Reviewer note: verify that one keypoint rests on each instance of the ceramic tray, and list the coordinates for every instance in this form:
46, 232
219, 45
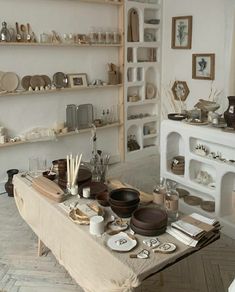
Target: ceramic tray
121, 242
79, 217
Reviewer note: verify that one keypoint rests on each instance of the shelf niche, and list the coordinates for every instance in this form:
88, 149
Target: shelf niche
135, 74
228, 194
134, 131
135, 91
134, 19
175, 147
196, 166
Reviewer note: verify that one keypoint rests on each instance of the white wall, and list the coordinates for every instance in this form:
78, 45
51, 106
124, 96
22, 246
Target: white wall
21, 113
210, 19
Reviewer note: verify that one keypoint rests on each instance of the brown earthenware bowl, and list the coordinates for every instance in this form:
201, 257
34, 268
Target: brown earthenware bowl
149, 218
103, 199
147, 232
126, 211
124, 197
49, 175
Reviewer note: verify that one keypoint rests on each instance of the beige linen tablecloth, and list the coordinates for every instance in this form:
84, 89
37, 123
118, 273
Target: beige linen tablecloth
87, 258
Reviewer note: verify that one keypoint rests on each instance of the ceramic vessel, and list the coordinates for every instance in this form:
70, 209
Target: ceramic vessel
9, 186
229, 114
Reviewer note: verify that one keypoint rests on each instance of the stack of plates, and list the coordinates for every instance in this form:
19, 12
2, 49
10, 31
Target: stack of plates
149, 221
177, 165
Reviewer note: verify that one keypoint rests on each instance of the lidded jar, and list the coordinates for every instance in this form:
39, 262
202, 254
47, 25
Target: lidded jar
159, 193
172, 201
5, 33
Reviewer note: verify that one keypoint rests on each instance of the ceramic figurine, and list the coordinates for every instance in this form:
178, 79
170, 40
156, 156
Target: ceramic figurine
201, 150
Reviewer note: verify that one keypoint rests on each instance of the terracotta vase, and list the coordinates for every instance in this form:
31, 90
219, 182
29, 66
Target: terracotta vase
9, 186
229, 114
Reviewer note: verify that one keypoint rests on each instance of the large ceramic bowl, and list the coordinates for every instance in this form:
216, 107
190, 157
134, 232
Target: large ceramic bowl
124, 197
149, 218
126, 211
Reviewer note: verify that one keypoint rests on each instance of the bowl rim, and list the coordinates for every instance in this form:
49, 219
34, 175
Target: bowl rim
120, 203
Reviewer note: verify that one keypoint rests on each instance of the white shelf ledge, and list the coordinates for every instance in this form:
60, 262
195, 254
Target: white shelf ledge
142, 102
143, 44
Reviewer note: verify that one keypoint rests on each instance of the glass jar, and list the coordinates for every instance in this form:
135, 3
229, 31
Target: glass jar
159, 194
172, 201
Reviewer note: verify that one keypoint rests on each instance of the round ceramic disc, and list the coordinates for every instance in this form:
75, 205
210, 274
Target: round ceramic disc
46, 79
60, 80
208, 206
121, 242
150, 91
25, 82
192, 200
9, 81
37, 81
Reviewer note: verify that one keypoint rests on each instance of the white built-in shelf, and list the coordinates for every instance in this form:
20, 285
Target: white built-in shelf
24, 44
143, 45
143, 5
188, 209
213, 162
142, 120
104, 2
143, 64
62, 90
150, 136
135, 83
71, 133
152, 26
142, 102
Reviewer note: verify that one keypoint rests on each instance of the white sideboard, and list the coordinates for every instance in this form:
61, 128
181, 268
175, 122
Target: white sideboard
179, 138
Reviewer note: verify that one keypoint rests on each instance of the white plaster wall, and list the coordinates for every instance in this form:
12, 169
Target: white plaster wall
21, 113
209, 35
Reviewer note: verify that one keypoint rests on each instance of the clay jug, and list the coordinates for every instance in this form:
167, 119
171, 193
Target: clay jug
9, 186
229, 114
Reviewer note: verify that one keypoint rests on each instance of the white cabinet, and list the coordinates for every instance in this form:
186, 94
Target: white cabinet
179, 138
142, 77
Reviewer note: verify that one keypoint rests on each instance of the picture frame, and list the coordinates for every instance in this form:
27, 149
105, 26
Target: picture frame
203, 66
181, 36
180, 90
77, 80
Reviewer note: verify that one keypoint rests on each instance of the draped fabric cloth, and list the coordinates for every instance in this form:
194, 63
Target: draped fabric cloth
87, 258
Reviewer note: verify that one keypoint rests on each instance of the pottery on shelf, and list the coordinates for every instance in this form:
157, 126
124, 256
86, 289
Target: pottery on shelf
229, 114
9, 185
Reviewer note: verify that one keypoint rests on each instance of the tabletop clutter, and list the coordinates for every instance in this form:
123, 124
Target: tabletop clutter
128, 217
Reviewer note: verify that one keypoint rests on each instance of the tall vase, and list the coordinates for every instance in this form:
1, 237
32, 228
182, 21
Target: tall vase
9, 185
229, 114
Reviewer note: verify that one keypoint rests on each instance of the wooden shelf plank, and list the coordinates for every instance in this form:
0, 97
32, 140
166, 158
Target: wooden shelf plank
112, 2
24, 44
72, 133
62, 90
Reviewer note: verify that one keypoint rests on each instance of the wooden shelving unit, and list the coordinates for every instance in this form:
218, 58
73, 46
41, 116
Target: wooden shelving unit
24, 44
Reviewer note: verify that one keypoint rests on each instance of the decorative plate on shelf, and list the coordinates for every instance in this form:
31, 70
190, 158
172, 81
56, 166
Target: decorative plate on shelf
1, 74
37, 81
192, 200
177, 116
150, 91
122, 242
194, 122
25, 82
208, 206
9, 81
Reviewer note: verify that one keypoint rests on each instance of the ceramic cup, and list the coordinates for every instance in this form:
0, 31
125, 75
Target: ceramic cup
2, 139
74, 190
86, 192
97, 225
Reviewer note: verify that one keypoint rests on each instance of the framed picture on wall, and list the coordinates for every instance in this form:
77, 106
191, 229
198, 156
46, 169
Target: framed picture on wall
180, 90
76, 80
181, 37
203, 66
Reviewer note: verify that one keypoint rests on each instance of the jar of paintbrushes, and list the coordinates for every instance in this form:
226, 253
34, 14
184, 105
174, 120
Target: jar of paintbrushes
73, 165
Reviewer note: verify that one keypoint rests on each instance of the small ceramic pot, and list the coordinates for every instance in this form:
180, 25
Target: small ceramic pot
229, 114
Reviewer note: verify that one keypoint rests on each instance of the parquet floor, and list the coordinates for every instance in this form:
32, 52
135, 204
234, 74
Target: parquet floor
210, 270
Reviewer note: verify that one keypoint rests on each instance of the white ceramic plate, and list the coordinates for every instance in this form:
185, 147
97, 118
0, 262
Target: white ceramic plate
9, 81
121, 242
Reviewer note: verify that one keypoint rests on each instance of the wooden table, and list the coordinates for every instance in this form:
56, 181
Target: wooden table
89, 261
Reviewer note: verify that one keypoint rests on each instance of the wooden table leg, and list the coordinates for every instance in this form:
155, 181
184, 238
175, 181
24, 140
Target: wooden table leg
40, 247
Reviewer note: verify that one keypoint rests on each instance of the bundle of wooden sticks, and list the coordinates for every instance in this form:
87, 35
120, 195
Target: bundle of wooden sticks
73, 165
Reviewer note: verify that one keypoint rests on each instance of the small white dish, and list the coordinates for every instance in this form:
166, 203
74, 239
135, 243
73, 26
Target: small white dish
121, 242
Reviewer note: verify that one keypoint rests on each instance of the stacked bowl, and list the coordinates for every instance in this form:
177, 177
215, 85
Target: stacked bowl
149, 221
124, 201
177, 165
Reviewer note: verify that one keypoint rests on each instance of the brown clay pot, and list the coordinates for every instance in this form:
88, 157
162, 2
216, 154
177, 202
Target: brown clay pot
8, 185
229, 114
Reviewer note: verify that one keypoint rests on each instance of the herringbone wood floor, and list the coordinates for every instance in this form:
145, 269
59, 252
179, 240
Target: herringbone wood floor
210, 270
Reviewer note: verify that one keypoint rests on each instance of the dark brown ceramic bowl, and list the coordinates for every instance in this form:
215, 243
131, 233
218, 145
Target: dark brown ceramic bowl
147, 232
149, 218
84, 175
103, 199
124, 197
49, 175
124, 212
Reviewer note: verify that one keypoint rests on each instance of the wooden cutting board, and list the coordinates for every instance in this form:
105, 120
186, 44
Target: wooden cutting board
48, 188
134, 23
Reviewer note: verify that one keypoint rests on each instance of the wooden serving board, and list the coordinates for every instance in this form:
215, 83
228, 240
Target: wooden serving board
48, 188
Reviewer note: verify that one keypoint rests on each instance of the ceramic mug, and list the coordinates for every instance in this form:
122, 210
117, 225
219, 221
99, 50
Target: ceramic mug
97, 225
